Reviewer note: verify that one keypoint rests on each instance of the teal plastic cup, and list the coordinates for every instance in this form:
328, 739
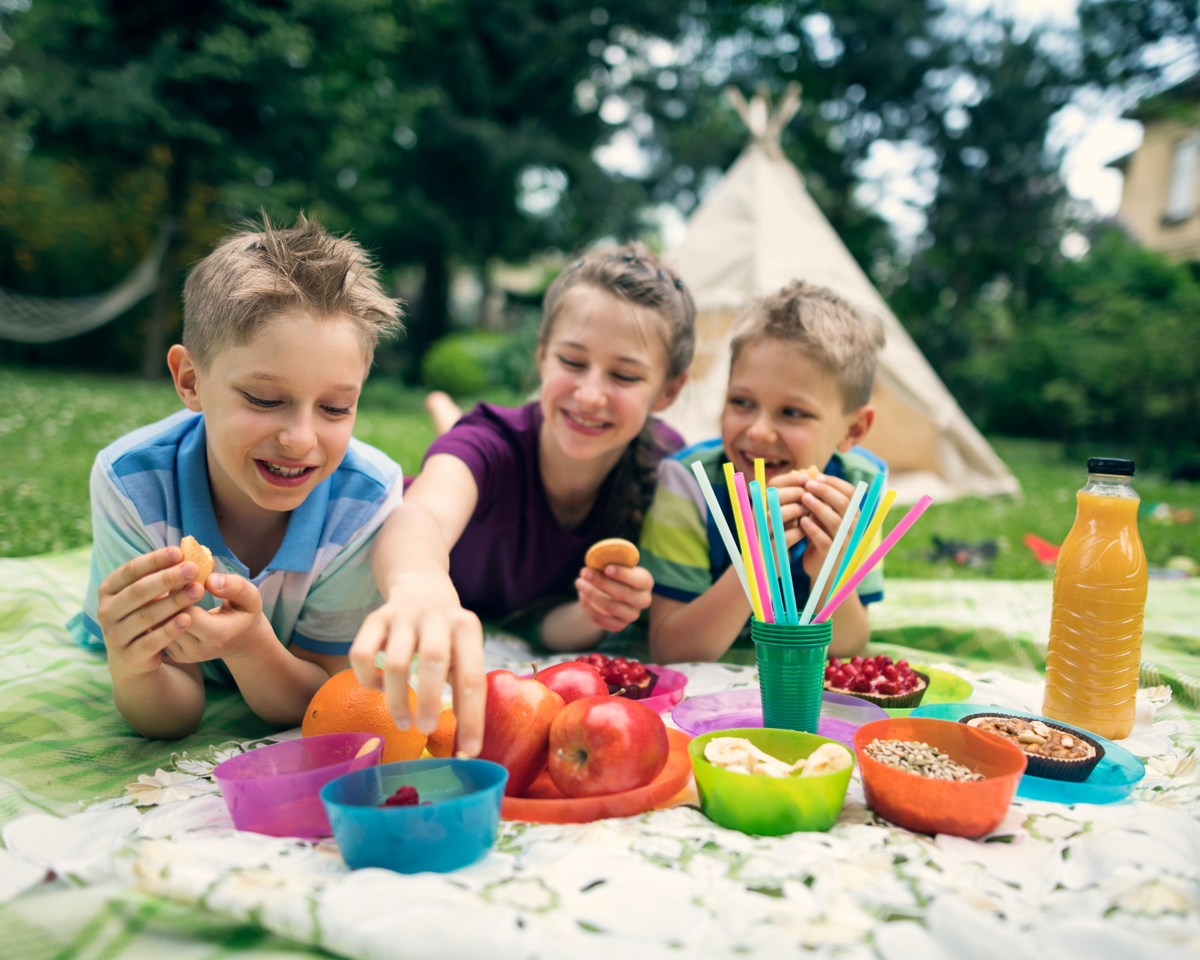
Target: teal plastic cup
791, 673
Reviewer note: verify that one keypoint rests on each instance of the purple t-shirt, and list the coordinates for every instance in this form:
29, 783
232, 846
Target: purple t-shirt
514, 551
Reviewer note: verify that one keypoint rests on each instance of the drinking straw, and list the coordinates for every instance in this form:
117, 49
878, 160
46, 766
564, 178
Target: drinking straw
839, 538
764, 594
764, 542
867, 539
714, 508
748, 564
864, 519
785, 562
901, 528
760, 472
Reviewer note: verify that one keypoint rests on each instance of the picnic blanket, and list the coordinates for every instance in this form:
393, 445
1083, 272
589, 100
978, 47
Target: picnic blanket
171, 878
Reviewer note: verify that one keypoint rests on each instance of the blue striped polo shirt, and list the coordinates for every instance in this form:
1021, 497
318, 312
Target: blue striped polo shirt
150, 489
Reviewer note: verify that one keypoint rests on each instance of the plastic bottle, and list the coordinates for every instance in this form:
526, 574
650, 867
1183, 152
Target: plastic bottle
1100, 585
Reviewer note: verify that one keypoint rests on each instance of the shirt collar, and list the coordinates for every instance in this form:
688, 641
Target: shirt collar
297, 553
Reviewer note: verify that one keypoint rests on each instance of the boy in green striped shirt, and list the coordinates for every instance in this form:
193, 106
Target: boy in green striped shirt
799, 395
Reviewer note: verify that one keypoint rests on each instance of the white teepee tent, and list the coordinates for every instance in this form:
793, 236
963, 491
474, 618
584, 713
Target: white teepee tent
757, 230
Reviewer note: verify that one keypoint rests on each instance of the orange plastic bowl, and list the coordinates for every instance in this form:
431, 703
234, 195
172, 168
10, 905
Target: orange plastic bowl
963, 809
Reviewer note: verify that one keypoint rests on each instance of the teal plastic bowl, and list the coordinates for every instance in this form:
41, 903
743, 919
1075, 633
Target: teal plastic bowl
765, 806
455, 829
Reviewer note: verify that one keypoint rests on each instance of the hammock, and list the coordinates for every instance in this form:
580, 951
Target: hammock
32, 319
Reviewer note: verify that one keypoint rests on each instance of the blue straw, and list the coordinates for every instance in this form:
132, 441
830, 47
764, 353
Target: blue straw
785, 562
764, 542
870, 502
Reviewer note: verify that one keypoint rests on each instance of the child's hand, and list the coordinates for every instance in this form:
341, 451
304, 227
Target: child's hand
613, 598
792, 489
227, 631
144, 607
423, 620
826, 501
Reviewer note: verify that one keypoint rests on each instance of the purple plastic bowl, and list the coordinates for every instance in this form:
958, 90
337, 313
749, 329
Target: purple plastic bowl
276, 790
841, 715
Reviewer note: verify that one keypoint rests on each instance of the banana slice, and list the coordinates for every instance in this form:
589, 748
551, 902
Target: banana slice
739, 755
827, 758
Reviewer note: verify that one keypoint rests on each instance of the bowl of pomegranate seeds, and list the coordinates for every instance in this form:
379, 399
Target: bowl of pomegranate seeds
879, 680
434, 814
659, 688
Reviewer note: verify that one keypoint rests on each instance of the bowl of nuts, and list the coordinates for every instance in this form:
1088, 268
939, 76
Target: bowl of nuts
936, 776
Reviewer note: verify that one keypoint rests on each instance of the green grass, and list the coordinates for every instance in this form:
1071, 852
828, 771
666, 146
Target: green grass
52, 424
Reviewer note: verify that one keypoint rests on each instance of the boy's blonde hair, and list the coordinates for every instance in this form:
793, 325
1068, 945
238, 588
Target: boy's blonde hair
253, 276
842, 341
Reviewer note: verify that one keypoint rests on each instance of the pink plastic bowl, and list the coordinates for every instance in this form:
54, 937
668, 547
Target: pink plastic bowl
276, 789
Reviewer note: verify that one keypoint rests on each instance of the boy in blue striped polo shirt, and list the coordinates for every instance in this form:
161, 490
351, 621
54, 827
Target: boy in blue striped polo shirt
799, 396
280, 327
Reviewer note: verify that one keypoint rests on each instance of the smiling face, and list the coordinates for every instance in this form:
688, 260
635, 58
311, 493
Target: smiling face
604, 371
786, 409
278, 410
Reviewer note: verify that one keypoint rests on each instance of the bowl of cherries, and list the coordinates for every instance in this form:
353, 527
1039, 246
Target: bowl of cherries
658, 687
878, 680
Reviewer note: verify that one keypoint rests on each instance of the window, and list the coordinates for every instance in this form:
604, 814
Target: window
1181, 195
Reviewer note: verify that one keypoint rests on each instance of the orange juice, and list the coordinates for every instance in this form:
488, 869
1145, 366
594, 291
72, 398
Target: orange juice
1100, 584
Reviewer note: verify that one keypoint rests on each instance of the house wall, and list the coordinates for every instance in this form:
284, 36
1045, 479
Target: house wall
1144, 195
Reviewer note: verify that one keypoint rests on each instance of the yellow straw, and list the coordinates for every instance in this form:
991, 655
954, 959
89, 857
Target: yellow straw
747, 560
867, 539
760, 474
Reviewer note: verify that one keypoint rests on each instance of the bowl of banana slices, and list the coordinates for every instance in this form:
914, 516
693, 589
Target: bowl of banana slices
770, 782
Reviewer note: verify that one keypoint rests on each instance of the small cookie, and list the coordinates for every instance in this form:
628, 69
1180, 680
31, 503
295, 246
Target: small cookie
614, 550
812, 472
200, 555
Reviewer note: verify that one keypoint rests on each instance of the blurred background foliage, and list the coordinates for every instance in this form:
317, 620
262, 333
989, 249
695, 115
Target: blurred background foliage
473, 144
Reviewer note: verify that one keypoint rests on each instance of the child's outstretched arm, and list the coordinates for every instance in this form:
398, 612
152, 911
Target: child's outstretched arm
144, 607
421, 613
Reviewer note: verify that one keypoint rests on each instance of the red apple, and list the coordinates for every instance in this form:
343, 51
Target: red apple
602, 745
517, 727
573, 680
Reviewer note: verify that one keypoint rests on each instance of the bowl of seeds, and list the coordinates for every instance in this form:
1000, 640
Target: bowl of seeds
936, 776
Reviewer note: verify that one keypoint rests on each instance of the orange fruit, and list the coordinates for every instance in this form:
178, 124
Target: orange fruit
441, 741
343, 705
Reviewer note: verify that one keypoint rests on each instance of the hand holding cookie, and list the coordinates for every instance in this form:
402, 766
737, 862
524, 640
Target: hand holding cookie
144, 606
613, 589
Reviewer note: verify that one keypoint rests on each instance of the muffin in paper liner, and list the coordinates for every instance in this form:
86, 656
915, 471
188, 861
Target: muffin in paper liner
1050, 768
897, 702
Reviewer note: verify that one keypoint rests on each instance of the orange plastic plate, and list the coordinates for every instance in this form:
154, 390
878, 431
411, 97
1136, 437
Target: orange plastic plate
543, 803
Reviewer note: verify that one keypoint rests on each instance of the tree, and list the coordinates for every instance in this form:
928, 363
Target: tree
217, 90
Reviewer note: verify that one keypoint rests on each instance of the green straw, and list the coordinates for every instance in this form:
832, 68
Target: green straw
785, 562
764, 543
843, 531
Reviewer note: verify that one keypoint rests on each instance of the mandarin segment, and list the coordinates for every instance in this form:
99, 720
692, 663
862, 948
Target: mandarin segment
343, 705
441, 741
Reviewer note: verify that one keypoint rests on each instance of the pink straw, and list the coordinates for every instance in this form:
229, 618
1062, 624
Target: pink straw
760, 572
869, 564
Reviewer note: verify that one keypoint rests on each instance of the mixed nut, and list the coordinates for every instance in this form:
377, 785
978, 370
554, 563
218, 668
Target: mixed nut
919, 758
1036, 738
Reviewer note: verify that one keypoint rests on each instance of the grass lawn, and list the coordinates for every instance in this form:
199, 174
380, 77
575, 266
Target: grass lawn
53, 423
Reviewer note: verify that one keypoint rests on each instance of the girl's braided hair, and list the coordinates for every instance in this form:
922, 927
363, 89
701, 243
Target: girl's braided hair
632, 273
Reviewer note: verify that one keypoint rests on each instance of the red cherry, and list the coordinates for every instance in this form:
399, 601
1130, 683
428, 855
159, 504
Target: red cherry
860, 685
835, 662
891, 672
869, 670
857, 661
890, 688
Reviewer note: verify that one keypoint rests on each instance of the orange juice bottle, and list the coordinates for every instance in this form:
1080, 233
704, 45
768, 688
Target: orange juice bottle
1100, 584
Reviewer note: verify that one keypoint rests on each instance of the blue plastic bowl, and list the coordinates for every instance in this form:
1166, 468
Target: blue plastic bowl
457, 827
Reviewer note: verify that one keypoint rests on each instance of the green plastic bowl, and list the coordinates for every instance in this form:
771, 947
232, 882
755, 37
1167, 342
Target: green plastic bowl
765, 806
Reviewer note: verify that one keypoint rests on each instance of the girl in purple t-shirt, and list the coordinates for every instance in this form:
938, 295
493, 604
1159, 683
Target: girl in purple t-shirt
508, 500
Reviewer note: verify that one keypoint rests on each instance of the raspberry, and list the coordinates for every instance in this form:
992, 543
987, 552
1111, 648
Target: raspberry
404, 797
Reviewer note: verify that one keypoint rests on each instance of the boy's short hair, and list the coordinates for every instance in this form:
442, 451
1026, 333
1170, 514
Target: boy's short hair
254, 275
837, 337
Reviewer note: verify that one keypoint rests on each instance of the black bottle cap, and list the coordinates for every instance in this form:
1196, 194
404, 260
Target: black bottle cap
1111, 466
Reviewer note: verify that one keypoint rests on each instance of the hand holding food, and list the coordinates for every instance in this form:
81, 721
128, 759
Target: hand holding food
144, 607
613, 590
